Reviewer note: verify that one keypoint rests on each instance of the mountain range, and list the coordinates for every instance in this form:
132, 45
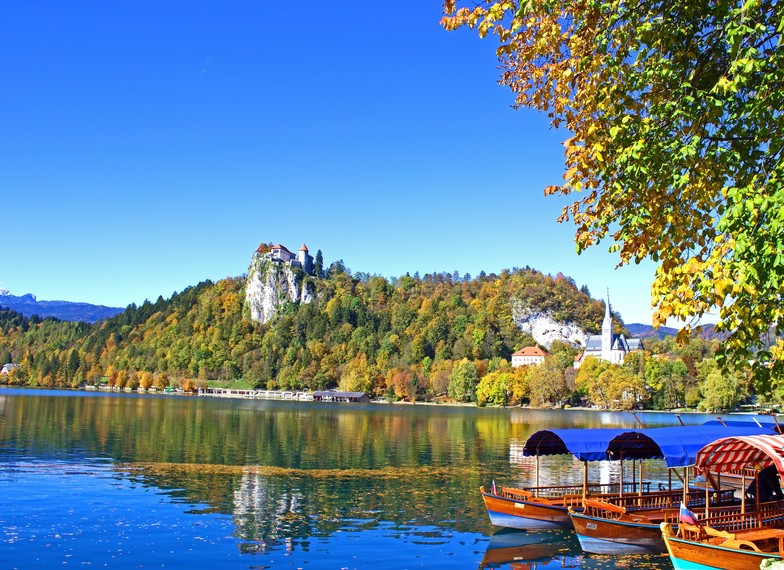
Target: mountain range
28, 305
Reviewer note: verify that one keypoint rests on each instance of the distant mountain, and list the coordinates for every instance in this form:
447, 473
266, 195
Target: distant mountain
640, 330
28, 305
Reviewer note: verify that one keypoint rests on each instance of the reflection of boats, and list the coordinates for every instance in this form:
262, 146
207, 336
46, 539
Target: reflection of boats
546, 507
520, 547
630, 524
740, 538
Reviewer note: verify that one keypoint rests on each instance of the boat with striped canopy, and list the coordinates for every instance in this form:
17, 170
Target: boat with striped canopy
739, 538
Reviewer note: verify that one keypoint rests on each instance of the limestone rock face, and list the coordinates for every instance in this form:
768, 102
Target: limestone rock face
544, 328
270, 284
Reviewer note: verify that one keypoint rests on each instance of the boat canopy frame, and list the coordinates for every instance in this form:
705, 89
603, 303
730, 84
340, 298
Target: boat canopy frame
677, 445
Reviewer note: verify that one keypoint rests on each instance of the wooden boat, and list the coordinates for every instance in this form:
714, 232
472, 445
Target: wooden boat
546, 507
740, 539
631, 524
607, 527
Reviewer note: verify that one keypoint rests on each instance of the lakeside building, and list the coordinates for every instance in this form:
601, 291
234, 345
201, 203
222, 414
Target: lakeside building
608, 346
528, 356
337, 396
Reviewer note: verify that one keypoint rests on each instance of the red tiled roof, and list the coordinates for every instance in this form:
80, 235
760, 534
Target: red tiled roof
530, 351
303, 248
278, 246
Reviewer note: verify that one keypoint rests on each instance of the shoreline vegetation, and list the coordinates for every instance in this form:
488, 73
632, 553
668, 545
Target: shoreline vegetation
303, 396
437, 338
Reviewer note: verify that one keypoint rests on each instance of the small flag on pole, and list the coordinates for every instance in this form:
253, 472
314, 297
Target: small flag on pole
686, 516
495, 492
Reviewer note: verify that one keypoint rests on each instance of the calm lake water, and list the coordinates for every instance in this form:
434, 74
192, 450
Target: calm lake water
102, 480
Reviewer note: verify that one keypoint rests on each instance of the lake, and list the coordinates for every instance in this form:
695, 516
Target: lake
115, 480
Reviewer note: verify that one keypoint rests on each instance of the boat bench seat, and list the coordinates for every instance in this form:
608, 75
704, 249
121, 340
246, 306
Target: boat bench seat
605, 506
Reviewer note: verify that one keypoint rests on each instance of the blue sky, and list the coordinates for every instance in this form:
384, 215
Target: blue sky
147, 146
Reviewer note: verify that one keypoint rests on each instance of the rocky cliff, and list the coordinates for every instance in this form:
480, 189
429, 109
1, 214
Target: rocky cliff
271, 284
544, 328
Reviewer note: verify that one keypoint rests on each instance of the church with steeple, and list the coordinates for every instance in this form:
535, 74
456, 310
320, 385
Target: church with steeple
609, 346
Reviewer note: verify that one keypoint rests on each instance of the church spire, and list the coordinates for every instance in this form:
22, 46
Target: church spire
607, 330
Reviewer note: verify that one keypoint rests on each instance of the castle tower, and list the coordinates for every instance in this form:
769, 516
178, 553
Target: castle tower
607, 331
305, 259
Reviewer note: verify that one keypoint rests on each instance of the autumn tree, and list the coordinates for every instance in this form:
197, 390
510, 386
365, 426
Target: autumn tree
519, 387
145, 380
674, 114
399, 383
620, 389
587, 379
440, 372
494, 388
546, 383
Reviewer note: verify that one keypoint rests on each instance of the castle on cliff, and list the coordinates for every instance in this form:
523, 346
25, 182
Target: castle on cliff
280, 254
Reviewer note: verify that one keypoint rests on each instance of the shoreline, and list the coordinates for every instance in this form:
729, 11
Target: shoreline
302, 396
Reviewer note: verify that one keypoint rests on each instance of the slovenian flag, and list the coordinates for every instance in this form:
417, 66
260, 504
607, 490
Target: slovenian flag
495, 492
686, 516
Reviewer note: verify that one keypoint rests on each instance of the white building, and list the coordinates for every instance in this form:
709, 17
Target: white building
528, 356
608, 346
281, 254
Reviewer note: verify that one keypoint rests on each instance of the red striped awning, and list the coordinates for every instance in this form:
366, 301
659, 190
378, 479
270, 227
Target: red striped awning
731, 453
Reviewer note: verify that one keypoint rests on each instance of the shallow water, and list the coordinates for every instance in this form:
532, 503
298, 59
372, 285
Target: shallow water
140, 481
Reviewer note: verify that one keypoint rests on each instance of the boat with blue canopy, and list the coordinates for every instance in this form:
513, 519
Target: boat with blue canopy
630, 524
546, 507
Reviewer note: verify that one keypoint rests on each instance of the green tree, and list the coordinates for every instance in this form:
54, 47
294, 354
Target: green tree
318, 265
719, 391
669, 381
463, 381
675, 119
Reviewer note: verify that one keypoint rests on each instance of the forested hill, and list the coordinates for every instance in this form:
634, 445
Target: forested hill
355, 333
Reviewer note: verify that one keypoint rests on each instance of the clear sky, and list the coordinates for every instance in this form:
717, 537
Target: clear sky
147, 146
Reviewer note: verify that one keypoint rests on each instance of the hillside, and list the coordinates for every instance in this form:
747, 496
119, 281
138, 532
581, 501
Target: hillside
28, 305
356, 332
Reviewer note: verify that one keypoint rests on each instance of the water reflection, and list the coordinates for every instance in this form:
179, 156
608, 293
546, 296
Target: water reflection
507, 546
323, 485
522, 550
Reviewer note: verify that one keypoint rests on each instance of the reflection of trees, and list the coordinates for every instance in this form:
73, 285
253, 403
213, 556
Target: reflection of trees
271, 506
239, 432
288, 470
